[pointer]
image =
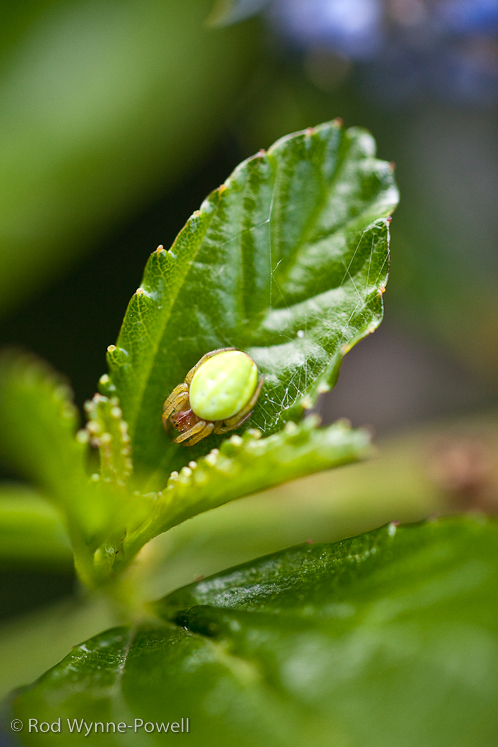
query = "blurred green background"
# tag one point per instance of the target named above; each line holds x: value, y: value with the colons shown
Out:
x: 116, y: 120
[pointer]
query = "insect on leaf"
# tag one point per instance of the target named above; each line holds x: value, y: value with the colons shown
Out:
x: 287, y: 261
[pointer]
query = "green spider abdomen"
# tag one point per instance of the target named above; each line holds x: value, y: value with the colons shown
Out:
x: 223, y: 385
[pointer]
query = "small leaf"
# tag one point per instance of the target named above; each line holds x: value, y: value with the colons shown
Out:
x: 109, y: 433
x: 243, y: 466
x: 39, y: 422
x: 386, y: 639
x: 287, y: 260
x: 39, y: 437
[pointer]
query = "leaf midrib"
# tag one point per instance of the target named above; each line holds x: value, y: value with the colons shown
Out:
x: 290, y: 260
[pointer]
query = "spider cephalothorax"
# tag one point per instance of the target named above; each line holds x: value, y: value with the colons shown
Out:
x: 217, y: 396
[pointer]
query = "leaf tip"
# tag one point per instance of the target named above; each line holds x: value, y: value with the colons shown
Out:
x: 106, y: 387
x: 117, y: 356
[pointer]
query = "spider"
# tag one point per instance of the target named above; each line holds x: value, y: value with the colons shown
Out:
x: 217, y: 396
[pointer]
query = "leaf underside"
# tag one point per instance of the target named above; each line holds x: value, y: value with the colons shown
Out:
x: 287, y: 260
x: 386, y: 639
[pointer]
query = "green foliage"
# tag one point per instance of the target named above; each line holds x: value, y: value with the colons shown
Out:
x: 385, y: 639
x: 287, y: 260
x: 40, y: 439
x: 109, y: 433
x: 40, y: 419
x: 31, y: 533
x: 107, y: 519
x: 243, y: 466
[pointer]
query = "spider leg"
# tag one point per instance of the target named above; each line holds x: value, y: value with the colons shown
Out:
x: 178, y: 397
x: 172, y: 397
x: 208, y: 428
x: 181, y: 403
x: 193, y: 431
x: 190, y: 375
x: 219, y: 428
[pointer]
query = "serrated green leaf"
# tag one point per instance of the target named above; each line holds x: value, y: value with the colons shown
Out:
x: 287, y: 261
x: 39, y: 438
x: 243, y: 466
x: 39, y: 423
x: 386, y: 639
x: 109, y: 433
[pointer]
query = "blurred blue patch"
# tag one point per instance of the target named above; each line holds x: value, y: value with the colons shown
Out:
x: 350, y: 27
x: 467, y: 73
x: 406, y: 49
x: 469, y: 16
